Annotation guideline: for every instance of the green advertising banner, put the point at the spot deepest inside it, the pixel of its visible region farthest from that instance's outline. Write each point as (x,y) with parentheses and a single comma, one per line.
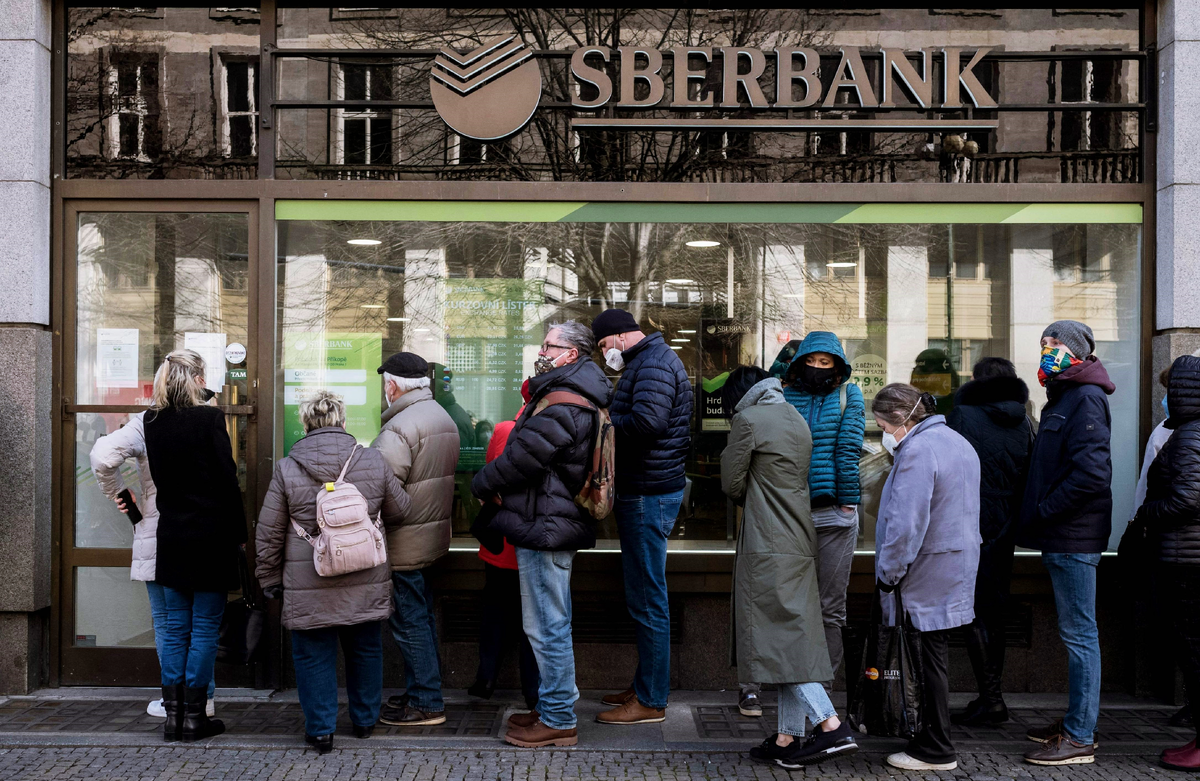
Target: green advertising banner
(344,363)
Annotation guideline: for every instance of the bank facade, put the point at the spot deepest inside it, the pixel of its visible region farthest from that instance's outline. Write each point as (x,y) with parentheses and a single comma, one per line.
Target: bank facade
(297,192)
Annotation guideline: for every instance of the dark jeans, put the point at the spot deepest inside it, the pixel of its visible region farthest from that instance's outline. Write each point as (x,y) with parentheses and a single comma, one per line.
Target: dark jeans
(415,632)
(932,744)
(643,524)
(1179,586)
(189,642)
(985,638)
(501,628)
(314,653)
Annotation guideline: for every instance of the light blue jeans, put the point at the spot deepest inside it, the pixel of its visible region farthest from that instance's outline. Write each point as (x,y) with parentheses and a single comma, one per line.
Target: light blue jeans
(1073,577)
(158,617)
(546,616)
(797,700)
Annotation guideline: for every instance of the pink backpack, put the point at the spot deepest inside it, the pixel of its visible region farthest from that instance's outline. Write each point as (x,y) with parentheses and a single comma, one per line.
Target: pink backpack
(348,539)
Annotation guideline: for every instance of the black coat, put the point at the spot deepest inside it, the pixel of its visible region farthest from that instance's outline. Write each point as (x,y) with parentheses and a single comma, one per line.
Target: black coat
(201,521)
(1068,497)
(544,463)
(990,414)
(652,415)
(1171,511)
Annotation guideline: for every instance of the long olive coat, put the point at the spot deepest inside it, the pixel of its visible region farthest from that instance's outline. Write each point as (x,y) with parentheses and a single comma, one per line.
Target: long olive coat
(777,629)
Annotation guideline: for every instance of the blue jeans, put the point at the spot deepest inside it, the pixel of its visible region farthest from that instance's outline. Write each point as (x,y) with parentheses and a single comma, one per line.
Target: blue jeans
(189,639)
(797,700)
(546,616)
(643,524)
(158,617)
(414,630)
(1073,577)
(314,654)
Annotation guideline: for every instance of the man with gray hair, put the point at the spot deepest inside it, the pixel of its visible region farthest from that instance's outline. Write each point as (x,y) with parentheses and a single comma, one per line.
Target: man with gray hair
(420,442)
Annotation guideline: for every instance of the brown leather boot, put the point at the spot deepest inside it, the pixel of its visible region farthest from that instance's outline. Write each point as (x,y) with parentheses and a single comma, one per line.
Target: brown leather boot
(632,712)
(539,735)
(523,720)
(620,698)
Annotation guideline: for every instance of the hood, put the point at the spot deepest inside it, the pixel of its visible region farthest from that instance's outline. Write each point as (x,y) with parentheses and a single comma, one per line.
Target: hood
(1183,391)
(323,453)
(406,400)
(584,377)
(768,391)
(822,342)
(1090,372)
(1002,398)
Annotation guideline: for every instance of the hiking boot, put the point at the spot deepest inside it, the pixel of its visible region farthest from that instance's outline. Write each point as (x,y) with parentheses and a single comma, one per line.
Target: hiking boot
(981,714)
(614,700)
(322,743)
(750,705)
(633,712)
(523,720)
(1186,758)
(1061,750)
(820,747)
(538,735)
(196,723)
(905,762)
(409,716)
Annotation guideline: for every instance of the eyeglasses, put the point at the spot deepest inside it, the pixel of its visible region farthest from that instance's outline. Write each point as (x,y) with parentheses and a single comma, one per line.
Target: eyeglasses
(548,346)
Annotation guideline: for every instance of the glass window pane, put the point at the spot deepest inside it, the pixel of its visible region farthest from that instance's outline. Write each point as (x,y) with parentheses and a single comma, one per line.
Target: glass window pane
(151,283)
(474,298)
(111,610)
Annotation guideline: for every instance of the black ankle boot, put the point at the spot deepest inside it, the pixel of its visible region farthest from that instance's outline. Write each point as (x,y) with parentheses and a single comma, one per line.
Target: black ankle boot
(196,723)
(322,743)
(172,699)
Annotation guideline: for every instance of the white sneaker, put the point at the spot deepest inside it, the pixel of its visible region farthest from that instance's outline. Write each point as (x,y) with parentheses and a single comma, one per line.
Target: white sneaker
(905,762)
(210,709)
(156,709)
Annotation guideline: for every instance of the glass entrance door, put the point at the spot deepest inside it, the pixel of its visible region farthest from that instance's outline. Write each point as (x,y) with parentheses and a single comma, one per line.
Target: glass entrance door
(140,282)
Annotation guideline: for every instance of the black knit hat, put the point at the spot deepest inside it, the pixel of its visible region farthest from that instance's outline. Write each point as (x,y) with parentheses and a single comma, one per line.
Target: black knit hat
(405,365)
(613,321)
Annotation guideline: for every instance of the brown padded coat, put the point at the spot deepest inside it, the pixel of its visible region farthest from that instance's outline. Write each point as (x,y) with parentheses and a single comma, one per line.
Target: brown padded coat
(309,600)
(420,441)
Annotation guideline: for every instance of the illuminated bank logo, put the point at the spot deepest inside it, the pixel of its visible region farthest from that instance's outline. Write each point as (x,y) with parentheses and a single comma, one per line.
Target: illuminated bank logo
(489,93)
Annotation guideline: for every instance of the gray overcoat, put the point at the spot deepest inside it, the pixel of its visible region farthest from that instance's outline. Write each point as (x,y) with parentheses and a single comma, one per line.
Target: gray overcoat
(777,629)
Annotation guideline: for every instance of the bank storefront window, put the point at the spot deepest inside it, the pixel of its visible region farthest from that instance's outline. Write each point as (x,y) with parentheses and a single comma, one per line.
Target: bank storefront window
(915,293)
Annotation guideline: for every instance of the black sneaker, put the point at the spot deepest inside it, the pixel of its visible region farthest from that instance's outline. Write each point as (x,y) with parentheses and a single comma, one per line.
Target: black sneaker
(821,746)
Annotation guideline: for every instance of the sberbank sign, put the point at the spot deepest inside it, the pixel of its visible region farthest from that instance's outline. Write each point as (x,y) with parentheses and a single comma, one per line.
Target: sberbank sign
(493,91)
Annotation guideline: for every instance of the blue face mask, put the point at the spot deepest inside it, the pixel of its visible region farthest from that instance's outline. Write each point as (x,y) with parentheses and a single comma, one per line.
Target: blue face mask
(1166,411)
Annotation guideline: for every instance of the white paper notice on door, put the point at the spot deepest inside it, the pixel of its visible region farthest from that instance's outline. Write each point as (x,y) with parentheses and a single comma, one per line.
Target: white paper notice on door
(212,349)
(117,357)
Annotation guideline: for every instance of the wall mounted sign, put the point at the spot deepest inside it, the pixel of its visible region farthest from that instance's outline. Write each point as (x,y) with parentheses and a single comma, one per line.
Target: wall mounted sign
(493,91)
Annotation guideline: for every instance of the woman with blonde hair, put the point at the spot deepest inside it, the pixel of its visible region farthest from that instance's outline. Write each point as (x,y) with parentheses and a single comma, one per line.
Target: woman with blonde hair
(201,524)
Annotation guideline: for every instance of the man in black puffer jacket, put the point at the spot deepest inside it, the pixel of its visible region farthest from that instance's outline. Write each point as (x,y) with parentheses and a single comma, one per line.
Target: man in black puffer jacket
(535,481)
(652,415)
(1171,514)
(990,412)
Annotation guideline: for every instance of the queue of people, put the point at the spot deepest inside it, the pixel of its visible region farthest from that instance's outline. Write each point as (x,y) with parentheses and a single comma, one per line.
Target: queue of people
(346,534)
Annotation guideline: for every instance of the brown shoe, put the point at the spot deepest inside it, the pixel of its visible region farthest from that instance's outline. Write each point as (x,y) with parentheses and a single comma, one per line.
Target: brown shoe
(523,720)
(1061,750)
(615,700)
(632,712)
(538,735)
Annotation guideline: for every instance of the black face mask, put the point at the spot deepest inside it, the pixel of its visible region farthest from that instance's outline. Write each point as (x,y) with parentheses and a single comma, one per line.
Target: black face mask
(818,381)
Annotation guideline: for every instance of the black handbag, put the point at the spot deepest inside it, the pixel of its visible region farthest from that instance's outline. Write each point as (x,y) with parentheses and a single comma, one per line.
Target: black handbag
(243,623)
(886,698)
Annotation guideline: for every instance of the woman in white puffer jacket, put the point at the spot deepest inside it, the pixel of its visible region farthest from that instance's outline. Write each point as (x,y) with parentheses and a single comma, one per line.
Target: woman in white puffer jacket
(107,456)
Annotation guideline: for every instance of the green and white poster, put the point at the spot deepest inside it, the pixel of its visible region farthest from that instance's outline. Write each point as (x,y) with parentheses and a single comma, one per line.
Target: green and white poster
(343,363)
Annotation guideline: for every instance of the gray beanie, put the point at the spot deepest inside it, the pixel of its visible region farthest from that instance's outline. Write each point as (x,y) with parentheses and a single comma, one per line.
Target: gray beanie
(1075,335)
